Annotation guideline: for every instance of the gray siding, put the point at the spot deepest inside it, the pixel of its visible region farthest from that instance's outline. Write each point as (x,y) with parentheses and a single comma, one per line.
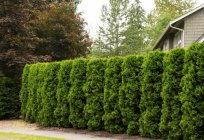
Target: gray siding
(194,27)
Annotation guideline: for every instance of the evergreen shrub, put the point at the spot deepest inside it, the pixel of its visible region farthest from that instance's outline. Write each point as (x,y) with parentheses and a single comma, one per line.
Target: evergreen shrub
(49,100)
(130,93)
(62,111)
(32,89)
(112,116)
(171,107)
(40,81)
(151,101)
(192,95)
(94,89)
(77,99)
(24,90)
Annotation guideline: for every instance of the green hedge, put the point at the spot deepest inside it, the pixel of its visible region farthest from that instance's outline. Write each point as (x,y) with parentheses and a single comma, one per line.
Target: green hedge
(112,117)
(9,99)
(94,90)
(24,90)
(151,102)
(171,107)
(41,77)
(130,93)
(32,89)
(64,84)
(49,100)
(192,96)
(77,99)
(153,97)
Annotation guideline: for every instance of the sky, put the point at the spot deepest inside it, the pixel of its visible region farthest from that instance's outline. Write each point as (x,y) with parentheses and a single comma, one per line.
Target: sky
(91,11)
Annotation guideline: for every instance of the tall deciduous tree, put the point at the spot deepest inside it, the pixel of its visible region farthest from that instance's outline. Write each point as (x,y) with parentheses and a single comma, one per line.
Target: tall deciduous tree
(32,31)
(61,33)
(120,32)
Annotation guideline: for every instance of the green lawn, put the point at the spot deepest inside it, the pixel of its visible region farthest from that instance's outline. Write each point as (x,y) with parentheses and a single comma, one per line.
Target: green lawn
(15,136)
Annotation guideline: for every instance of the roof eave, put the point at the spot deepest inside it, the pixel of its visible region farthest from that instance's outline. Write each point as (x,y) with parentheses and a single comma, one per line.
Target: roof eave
(174,21)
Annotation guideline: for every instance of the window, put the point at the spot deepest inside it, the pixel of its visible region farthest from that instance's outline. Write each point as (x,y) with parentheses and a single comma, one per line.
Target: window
(201,39)
(177,40)
(166,45)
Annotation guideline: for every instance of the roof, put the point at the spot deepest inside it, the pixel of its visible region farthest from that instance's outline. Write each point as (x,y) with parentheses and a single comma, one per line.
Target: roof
(175,21)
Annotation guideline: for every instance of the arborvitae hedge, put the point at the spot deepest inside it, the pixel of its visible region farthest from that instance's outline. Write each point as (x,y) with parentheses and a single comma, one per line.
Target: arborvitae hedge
(32,88)
(171,107)
(192,96)
(62,111)
(9,99)
(151,102)
(106,95)
(130,93)
(94,90)
(41,77)
(77,99)
(112,117)
(24,91)
(49,99)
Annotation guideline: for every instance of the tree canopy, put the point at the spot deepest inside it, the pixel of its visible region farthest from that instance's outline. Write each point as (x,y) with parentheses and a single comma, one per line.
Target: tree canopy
(33,31)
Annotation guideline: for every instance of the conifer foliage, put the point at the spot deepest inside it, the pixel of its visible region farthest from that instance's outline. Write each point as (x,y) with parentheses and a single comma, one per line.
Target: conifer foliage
(112,117)
(32,89)
(49,100)
(192,95)
(156,95)
(171,107)
(24,90)
(62,111)
(151,102)
(94,90)
(40,81)
(77,98)
(130,93)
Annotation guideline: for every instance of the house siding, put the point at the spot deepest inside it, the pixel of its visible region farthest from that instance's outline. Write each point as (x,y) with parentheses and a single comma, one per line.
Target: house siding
(194,27)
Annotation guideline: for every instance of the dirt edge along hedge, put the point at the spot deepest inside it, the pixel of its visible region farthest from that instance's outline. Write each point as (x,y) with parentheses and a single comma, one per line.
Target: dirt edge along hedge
(130,92)
(77,99)
(192,95)
(171,107)
(112,117)
(94,90)
(151,102)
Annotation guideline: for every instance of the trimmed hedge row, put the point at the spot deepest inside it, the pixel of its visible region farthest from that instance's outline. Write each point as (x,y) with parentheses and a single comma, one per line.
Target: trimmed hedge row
(93,89)
(171,107)
(77,99)
(151,95)
(130,92)
(192,95)
(112,115)
(151,102)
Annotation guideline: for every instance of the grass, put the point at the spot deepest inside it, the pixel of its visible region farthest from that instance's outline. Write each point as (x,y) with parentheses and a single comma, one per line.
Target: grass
(15,136)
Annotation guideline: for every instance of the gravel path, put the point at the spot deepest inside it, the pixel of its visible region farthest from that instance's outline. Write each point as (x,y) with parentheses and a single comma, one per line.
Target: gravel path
(21,127)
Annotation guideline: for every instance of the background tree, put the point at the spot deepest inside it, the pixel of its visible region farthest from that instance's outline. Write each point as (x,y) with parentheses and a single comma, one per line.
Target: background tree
(121,28)
(163,13)
(26,38)
(61,33)
(133,43)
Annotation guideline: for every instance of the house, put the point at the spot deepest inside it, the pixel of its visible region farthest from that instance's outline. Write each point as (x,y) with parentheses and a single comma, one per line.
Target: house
(183,31)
